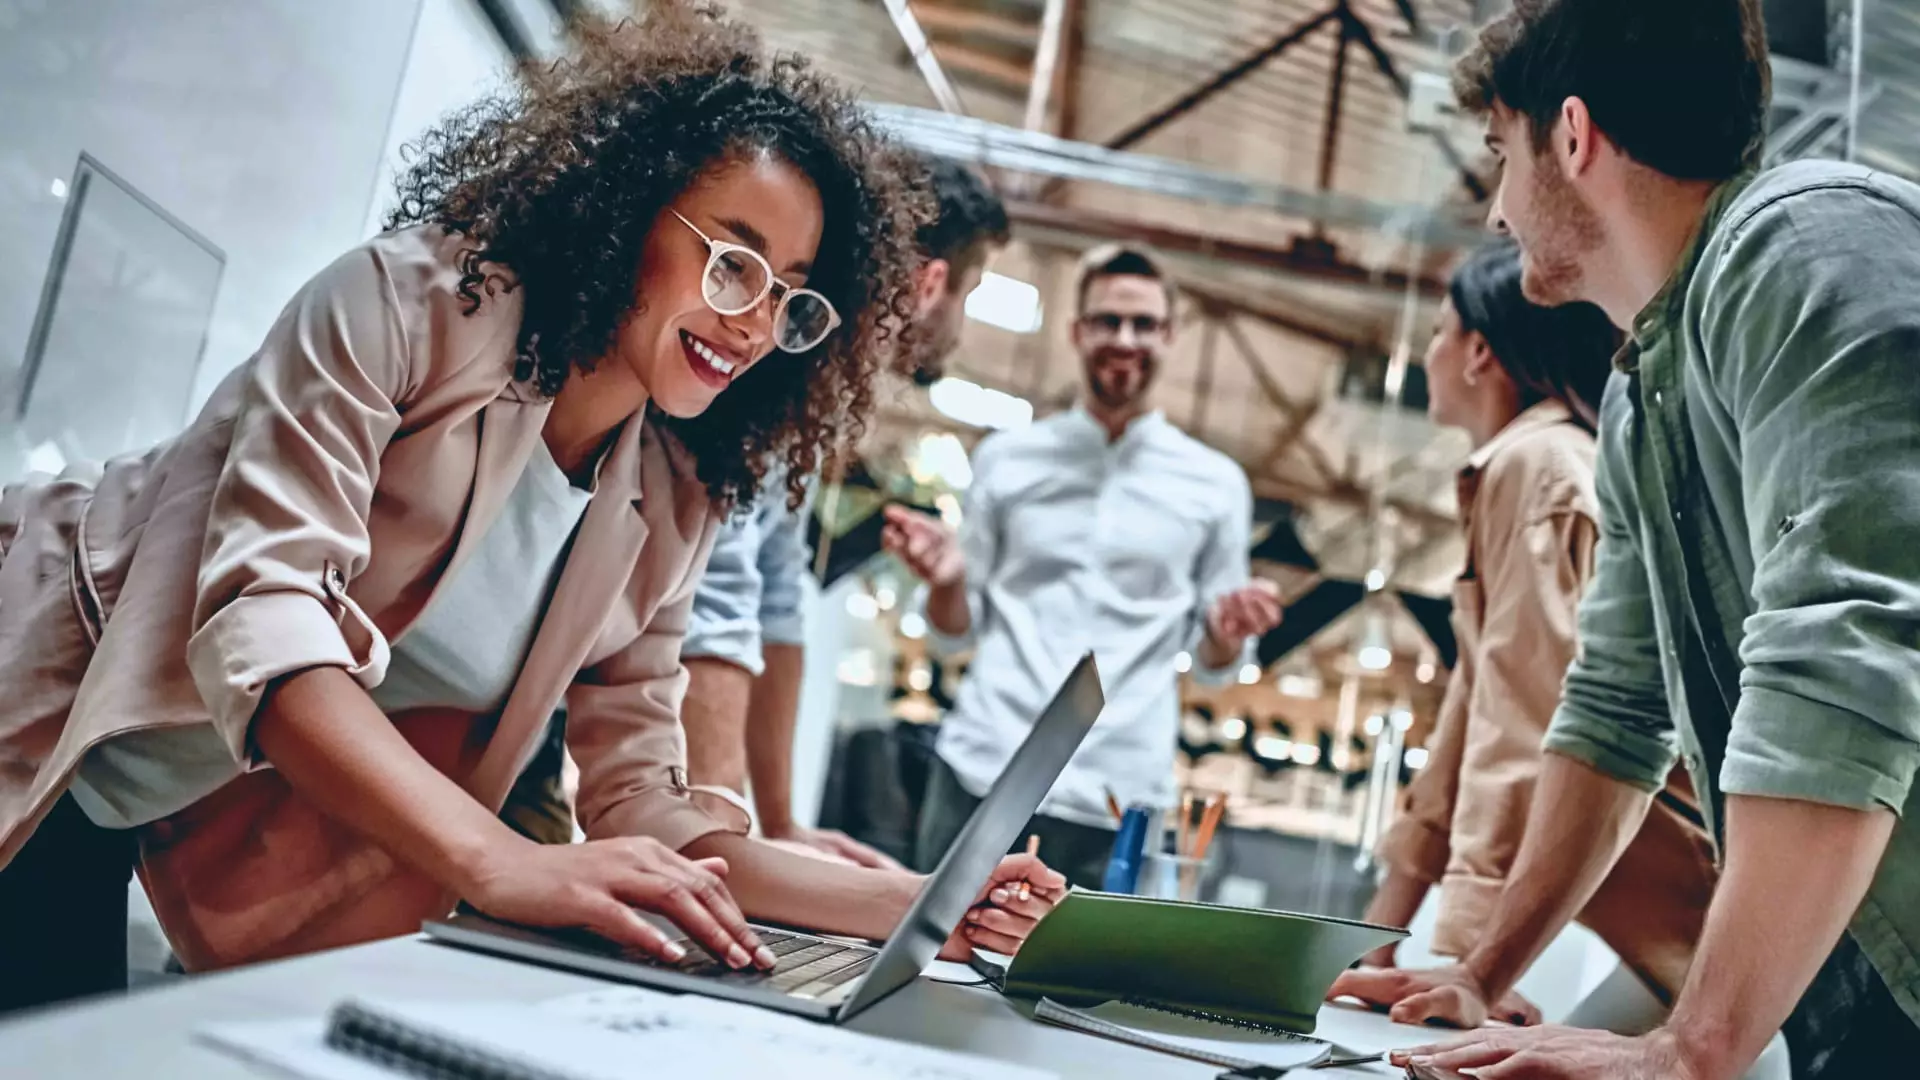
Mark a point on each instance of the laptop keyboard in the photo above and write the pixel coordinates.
(808, 967)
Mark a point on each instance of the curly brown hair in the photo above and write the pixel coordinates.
(560, 178)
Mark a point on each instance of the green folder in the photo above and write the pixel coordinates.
(1239, 965)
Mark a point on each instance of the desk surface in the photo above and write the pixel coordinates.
(150, 1033)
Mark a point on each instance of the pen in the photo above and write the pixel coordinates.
(1033, 851)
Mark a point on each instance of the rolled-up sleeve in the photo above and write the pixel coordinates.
(1819, 377)
(724, 621)
(623, 730)
(287, 528)
(1533, 581)
(1613, 713)
(1220, 569)
(1420, 842)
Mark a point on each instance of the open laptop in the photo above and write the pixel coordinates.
(827, 978)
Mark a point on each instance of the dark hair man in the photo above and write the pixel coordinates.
(1756, 602)
(1105, 528)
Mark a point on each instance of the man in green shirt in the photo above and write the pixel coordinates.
(1755, 609)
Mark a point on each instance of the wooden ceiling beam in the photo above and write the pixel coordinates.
(1304, 258)
(983, 65)
(942, 20)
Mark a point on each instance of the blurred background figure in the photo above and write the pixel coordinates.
(1103, 528)
(1524, 382)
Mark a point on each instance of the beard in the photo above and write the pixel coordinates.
(1565, 232)
(1119, 379)
(935, 335)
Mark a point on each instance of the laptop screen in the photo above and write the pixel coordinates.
(987, 836)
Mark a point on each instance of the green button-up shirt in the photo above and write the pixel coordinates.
(1756, 597)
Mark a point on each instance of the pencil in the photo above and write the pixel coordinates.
(1033, 852)
(1113, 807)
(1209, 821)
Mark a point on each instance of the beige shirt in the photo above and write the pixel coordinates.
(1528, 506)
(308, 516)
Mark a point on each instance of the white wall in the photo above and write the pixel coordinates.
(455, 59)
(259, 123)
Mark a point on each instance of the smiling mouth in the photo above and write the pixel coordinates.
(708, 361)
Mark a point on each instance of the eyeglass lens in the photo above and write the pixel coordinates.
(737, 280)
(1110, 324)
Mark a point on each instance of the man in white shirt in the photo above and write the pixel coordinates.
(1101, 528)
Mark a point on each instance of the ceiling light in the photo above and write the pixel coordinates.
(980, 406)
(1249, 674)
(1273, 747)
(1306, 754)
(861, 606)
(1233, 729)
(1008, 303)
(1375, 657)
(1300, 686)
(1424, 673)
(1376, 724)
(913, 626)
(1183, 662)
(1417, 758)
(1376, 579)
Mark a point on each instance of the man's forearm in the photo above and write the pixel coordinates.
(1795, 874)
(771, 712)
(947, 608)
(715, 718)
(1581, 822)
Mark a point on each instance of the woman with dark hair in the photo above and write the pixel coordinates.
(290, 662)
(1525, 383)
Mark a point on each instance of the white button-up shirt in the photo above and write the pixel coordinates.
(1075, 543)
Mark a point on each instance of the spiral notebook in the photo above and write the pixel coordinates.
(1230, 1044)
(604, 1035)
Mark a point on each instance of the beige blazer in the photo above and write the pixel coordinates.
(304, 519)
(1531, 517)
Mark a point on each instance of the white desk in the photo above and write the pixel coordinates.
(150, 1033)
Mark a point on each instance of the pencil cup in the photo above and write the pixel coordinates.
(1165, 876)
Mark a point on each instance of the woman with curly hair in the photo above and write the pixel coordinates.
(290, 662)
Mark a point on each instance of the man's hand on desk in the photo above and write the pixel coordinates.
(928, 546)
(1553, 1053)
(1449, 996)
(833, 844)
(1001, 918)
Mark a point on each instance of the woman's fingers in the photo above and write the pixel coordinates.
(992, 940)
(1000, 921)
(620, 924)
(1035, 906)
(721, 932)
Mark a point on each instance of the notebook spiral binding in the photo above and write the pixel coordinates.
(1218, 1018)
(406, 1049)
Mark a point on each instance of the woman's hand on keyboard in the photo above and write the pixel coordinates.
(1004, 914)
(603, 885)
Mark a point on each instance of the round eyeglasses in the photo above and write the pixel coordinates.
(738, 278)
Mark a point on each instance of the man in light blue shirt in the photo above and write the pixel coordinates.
(744, 647)
(1102, 528)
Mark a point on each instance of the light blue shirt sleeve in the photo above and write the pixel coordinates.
(783, 559)
(1222, 568)
(725, 623)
